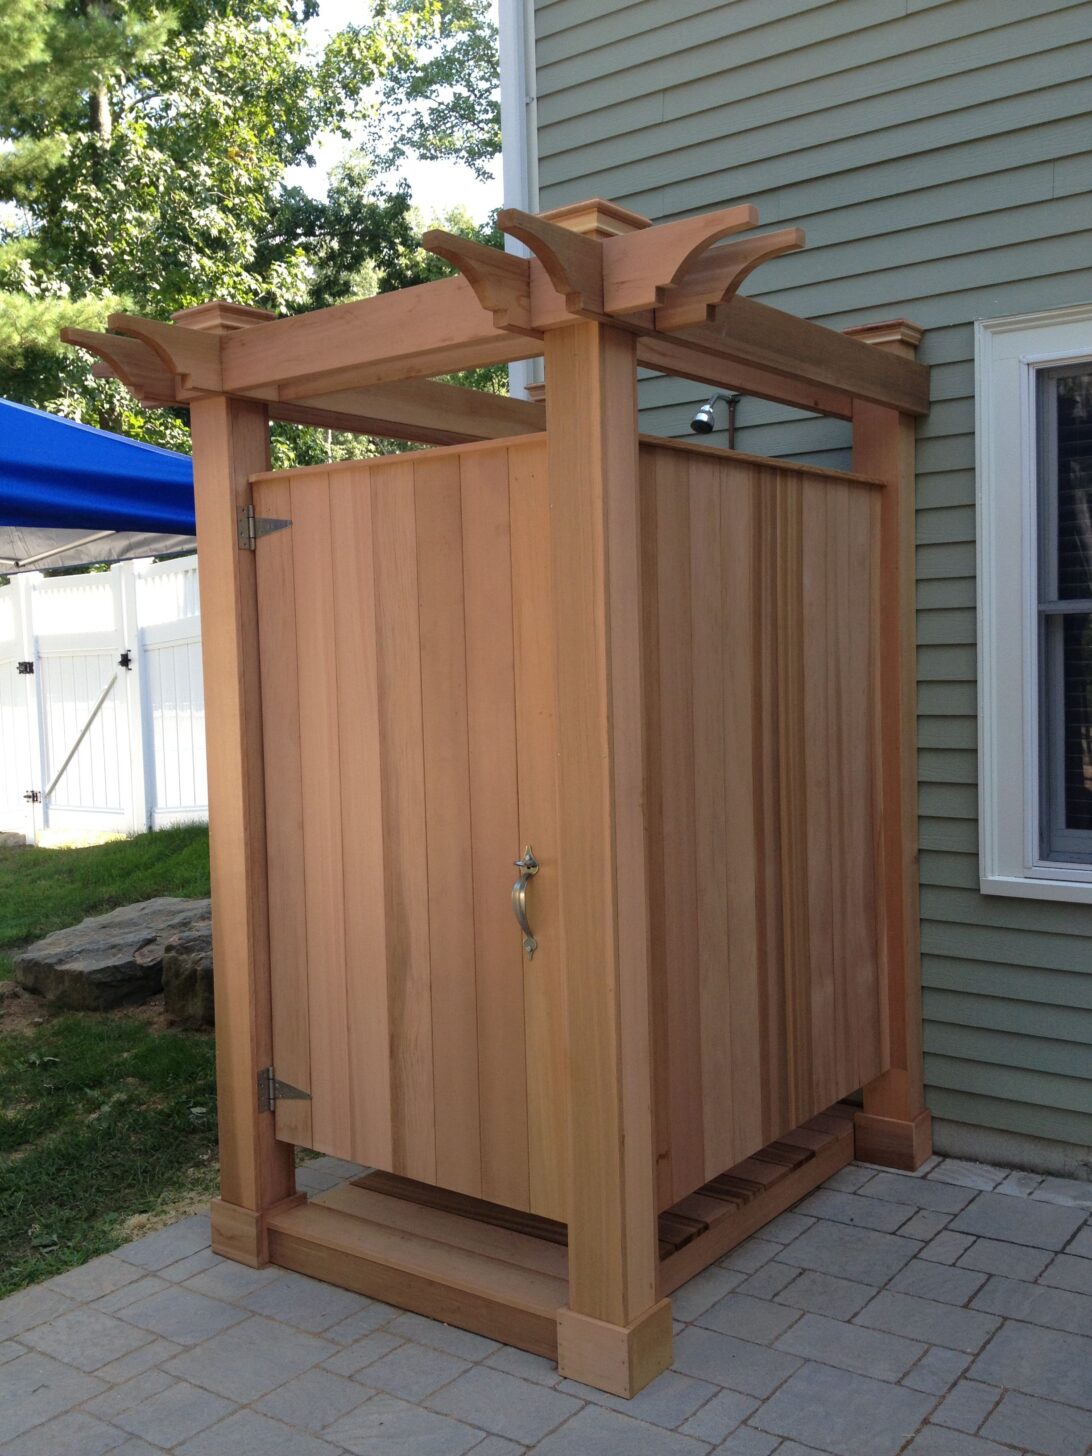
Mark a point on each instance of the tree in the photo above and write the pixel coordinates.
(143, 149)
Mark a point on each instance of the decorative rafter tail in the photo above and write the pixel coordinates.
(714, 277)
(573, 263)
(501, 281)
(140, 369)
(640, 266)
(193, 355)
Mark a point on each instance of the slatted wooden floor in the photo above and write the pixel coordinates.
(504, 1273)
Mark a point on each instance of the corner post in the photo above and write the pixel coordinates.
(615, 1332)
(231, 443)
(895, 1129)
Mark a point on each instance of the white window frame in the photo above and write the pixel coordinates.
(1008, 354)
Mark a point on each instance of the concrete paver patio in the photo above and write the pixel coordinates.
(945, 1313)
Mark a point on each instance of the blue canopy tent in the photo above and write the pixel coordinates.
(71, 495)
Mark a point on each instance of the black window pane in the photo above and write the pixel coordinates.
(1077, 720)
(1074, 508)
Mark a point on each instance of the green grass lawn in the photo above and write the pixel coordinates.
(107, 1121)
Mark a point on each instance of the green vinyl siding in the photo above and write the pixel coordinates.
(939, 158)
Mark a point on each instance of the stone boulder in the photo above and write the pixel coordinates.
(107, 959)
(187, 974)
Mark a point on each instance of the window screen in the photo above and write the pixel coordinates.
(1065, 612)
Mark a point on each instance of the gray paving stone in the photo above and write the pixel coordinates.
(1019, 1183)
(851, 1177)
(1049, 1363)
(75, 1434)
(1019, 1221)
(168, 1245)
(338, 1167)
(362, 1353)
(140, 1288)
(1082, 1244)
(10, 1350)
(836, 1248)
(247, 1433)
(124, 1397)
(919, 1192)
(868, 1352)
(929, 1321)
(498, 1446)
(1015, 1261)
(1067, 1272)
(937, 1371)
(967, 1175)
(769, 1281)
(304, 1303)
(413, 1371)
(925, 1224)
(35, 1387)
(192, 1264)
(697, 1294)
(30, 1307)
(1068, 1191)
(748, 1319)
(313, 1180)
(966, 1406)
(849, 1415)
(178, 1314)
(146, 1357)
(1036, 1304)
(85, 1338)
(371, 1317)
(665, 1401)
(525, 1365)
(946, 1247)
(174, 1414)
(826, 1294)
(313, 1400)
(1042, 1426)
(738, 1364)
(596, 1431)
(134, 1446)
(937, 1281)
(384, 1426)
(92, 1280)
(250, 1359)
(854, 1209)
(503, 1405)
(786, 1226)
(230, 1281)
(463, 1343)
(938, 1441)
(750, 1255)
(748, 1442)
(720, 1416)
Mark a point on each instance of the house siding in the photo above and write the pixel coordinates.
(939, 157)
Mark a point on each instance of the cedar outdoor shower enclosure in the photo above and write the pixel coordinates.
(674, 683)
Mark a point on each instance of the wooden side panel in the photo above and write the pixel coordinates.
(759, 710)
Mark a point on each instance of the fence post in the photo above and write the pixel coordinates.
(140, 759)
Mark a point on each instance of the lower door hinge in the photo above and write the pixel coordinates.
(252, 526)
(33, 796)
(270, 1090)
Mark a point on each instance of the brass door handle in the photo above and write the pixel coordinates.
(527, 867)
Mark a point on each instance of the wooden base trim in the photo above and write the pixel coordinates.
(733, 1208)
(241, 1234)
(893, 1143)
(621, 1359)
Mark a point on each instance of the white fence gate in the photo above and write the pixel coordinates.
(102, 719)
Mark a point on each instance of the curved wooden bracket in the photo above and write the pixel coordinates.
(501, 281)
(640, 267)
(138, 367)
(572, 262)
(193, 355)
(714, 277)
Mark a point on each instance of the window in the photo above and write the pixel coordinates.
(1034, 444)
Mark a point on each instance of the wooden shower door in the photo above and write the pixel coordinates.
(405, 626)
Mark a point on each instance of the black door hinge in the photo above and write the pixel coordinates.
(24, 669)
(126, 660)
(32, 796)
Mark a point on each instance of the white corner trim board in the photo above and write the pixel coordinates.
(1008, 354)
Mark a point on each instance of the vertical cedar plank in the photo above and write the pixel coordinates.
(359, 752)
(536, 763)
(317, 669)
(231, 443)
(716, 1024)
(494, 826)
(883, 447)
(593, 471)
(288, 964)
(677, 670)
(405, 852)
(447, 816)
(842, 593)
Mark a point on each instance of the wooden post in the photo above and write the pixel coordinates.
(895, 1129)
(230, 443)
(615, 1333)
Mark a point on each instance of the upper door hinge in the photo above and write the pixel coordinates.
(252, 526)
(270, 1090)
(24, 669)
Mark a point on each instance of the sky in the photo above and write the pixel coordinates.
(436, 186)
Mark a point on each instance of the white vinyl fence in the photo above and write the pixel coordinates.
(102, 713)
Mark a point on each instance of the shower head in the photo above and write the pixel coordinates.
(705, 419)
